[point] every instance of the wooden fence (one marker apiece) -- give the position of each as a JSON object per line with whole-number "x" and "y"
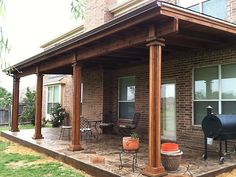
{"x": 5, "y": 116}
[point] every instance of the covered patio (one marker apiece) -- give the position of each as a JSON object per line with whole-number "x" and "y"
{"x": 148, "y": 35}
{"x": 101, "y": 158}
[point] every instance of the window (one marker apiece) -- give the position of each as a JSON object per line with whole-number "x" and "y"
{"x": 168, "y": 118}
{"x": 53, "y": 97}
{"x": 208, "y": 7}
{"x": 126, "y": 101}
{"x": 215, "y": 86}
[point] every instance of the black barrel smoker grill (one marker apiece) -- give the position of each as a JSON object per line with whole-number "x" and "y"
{"x": 218, "y": 127}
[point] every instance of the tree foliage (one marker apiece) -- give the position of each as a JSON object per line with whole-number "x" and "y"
{"x": 28, "y": 113}
{"x": 4, "y": 45}
{"x": 5, "y": 98}
{"x": 78, "y": 8}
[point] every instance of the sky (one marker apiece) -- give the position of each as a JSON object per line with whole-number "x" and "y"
{"x": 30, "y": 23}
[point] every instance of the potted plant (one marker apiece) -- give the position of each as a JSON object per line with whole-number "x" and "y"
{"x": 131, "y": 143}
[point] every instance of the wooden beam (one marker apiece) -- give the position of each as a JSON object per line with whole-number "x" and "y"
{"x": 75, "y": 143}
{"x": 154, "y": 167}
{"x": 200, "y": 36}
{"x": 183, "y": 42}
{"x": 15, "y": 104}
{"x": 167, "y": 28}
{"x": 26, "y": 71}
{"x": 113, "y": 45}
{"x": 38, "y": 113}
{"x": 198, "y": 19}
{"x": 57, "y": 62}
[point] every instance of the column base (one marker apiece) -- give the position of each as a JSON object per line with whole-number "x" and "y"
{"x": 15, "y": 130}
{"x": 154, "y": 171}
{"x": 73, "y": 147}
{"x": 35, "y": 137}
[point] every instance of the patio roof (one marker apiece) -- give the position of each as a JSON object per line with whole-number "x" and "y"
{"x": 181, "y": 28}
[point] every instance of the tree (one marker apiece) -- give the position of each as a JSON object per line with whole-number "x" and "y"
{"x": 5, "y": 98}
{"x": 78, "y": 8}
{"x": 4, "y": 45}
{"x": 29, "y": 111}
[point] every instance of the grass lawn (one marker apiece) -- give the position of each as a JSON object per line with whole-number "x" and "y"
{"x": 22, "y": 127}
{"x": 19, "y": 161}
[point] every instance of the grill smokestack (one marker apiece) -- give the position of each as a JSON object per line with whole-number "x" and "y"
{"x": 209, "y": 110}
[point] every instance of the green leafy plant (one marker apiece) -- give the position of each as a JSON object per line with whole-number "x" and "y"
{"x": 29, "y": 109}
{"x": 78, "y": 8}
{"x": 58, "y": 115}
{"x": 134, "y": 135}
{"x": 5, "y": 98}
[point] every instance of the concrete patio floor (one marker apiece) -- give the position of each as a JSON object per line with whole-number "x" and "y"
{"x": 101, "y": 157}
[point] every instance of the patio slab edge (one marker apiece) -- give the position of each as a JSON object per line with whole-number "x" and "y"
{"x": 216, "y": 172}
{"x": 92, "y": 170}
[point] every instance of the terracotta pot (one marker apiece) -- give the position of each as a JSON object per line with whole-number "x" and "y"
{"x": 130, "y": 144}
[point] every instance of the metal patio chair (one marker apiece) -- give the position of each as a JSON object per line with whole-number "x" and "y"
{"x": 65, "y": 129}
{"x": 85, "y": 128}
{"x": 126, "y": 128}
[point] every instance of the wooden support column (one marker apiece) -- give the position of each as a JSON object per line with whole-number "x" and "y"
{"x": 154, "y": 167}
{"x": 38, "y": 113}
{"x": 15, "y": 104}
{"x": 75, "y": 140}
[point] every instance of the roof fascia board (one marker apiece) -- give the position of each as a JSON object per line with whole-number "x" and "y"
{"x": 195, "y": 17}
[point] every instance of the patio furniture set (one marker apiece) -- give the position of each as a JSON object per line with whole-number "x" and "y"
{"x": 90, "y": 128}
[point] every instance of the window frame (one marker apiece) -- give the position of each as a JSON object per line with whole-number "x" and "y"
{"x": 60, "y": 96}
{"x": 219, "y": 100}
{"x": 118, "y": 98}
{"x": 201, "y": 8}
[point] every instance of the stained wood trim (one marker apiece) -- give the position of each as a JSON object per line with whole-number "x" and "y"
{"x": 15, "y": 104}
{"x": 38, "y": 112}
{"x": 197, "y": 19}
{"x": 75, "y": 140}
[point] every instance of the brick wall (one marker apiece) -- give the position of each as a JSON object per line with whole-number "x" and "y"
{"x": 93, "y": 93}
{"x": 97, "y": 13}
{"x": 67, "y": 94}
{"x": 180, "y": 68}
{"x": 231, "y": 11}
{"x": 141, "y": 91}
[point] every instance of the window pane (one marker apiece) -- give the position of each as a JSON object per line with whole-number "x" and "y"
{"x": 56, "y": 94}
{"x": 195, "y": 8}
{"x": 168, "y": 111}
{"x": 215, "y": 8}
{"x": 229, "y": 81}
{"x": 188, "y": 3}
{"x": 206, "y": 83}
{"x": 200, "y": 110}
{"x": 50, "y": 94}
{"x": 126, "y": 110}
{"x": 127, "y": 89}
{"x": 228, "y": 107}
{"x": 53, "y": 97}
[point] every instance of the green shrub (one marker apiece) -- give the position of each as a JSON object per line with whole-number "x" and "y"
{"x": 58, "y": 114}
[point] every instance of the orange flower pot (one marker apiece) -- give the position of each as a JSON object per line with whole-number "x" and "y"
{"x": 169, "y": 147}
{"x": 130, "y": 144}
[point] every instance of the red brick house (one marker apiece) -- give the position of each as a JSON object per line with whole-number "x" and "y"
{"x": 135, "y": 55}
